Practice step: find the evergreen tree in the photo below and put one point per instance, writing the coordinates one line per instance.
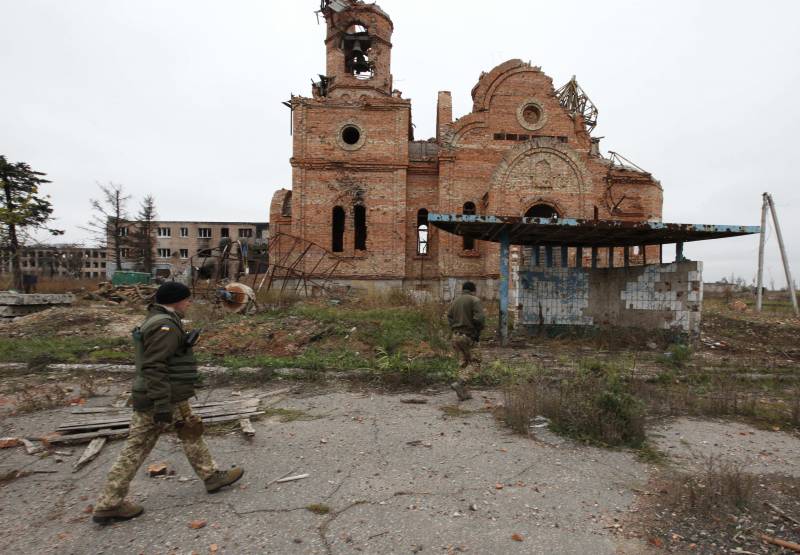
(22, 210)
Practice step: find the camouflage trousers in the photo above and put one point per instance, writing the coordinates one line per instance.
(142, 437)
(467, 350)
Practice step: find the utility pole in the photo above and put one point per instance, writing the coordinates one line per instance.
(762, 238)
(789, 281)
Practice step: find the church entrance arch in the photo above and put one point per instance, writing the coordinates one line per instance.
(542, 210)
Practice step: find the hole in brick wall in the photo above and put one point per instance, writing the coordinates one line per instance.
(351, 135)
(499, 136)
(563, 139)
(523, 137)
(541, 211)
(511, 136)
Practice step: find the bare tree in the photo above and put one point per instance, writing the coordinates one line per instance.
(143, 239)
(109, 223)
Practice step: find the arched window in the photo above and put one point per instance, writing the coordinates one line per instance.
(360, 224)
(337, 229)
(422, 231)
(541, 211)
(469, 210)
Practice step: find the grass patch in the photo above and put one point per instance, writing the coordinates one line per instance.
(454, 411)
(677, 356)
(289, 415)
(596, 404)
(721, 487)
(40, 351)
(318, 508)
(649, 454)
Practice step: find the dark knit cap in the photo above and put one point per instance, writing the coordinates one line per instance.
(468, 286)
(172, 292)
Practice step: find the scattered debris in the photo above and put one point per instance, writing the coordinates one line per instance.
(157, 469)
(782, 543)
(7, 442)
(30, 447)
(516, 537)
(292, 478)
(738, 306)
(247, 427)
(91, 452)
(414, 401)
(197, 524)
(135, 293)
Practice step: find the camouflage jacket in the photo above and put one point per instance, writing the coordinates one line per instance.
(166, 368)
(466, 316)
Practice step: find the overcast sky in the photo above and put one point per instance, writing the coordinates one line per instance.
(182, 98)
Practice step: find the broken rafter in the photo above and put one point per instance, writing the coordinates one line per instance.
(578, 103)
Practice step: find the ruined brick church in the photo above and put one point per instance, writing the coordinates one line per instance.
(362, 187)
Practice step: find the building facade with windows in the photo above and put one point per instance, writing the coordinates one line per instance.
(362, 187)
(176, 243)
(51, 261)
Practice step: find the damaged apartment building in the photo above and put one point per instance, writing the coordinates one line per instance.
(363, 188)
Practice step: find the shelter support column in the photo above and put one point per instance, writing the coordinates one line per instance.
(503, 324)
(679, 252)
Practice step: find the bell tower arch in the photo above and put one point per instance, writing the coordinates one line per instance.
(358, 47)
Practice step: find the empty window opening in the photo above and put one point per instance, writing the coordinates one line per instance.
(469, 210)
(351, 134)
(360, 224)
(511, 136)
(224, 232)
(541, 211)
(499, 136)
(286, 208)
(337, 234)
(422, 231)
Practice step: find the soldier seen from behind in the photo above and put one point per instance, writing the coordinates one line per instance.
(466, 319)
(166, 374)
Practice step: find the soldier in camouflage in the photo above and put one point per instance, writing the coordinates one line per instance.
(466, 319)
(166, 373)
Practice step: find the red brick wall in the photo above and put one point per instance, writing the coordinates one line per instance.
(547, 161)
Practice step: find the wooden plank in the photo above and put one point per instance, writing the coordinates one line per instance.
(94, 410)
(118, 433)
(81, 438)
(112, 421)
(90, 453)
(126, 421)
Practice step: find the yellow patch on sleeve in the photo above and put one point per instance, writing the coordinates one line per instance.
(165, 328)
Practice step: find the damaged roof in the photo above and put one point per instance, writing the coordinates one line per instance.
(581, 233)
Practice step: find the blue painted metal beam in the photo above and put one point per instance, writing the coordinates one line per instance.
(504, 275)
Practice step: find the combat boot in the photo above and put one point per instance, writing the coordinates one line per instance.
(222, 478)
(124, 511)
(461, 390)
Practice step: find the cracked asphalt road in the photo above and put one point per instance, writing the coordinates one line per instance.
(395, 478)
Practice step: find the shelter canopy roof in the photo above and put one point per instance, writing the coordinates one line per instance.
(581, 233)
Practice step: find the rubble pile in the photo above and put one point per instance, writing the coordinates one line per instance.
(135, 293)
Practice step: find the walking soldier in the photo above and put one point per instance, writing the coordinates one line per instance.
(466, 319)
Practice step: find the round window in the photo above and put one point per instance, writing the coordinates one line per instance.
(351, 135)
(531, 115)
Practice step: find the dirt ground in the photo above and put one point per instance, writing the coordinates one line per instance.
(391, 477)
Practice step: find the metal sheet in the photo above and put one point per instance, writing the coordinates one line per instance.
(581, 233)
